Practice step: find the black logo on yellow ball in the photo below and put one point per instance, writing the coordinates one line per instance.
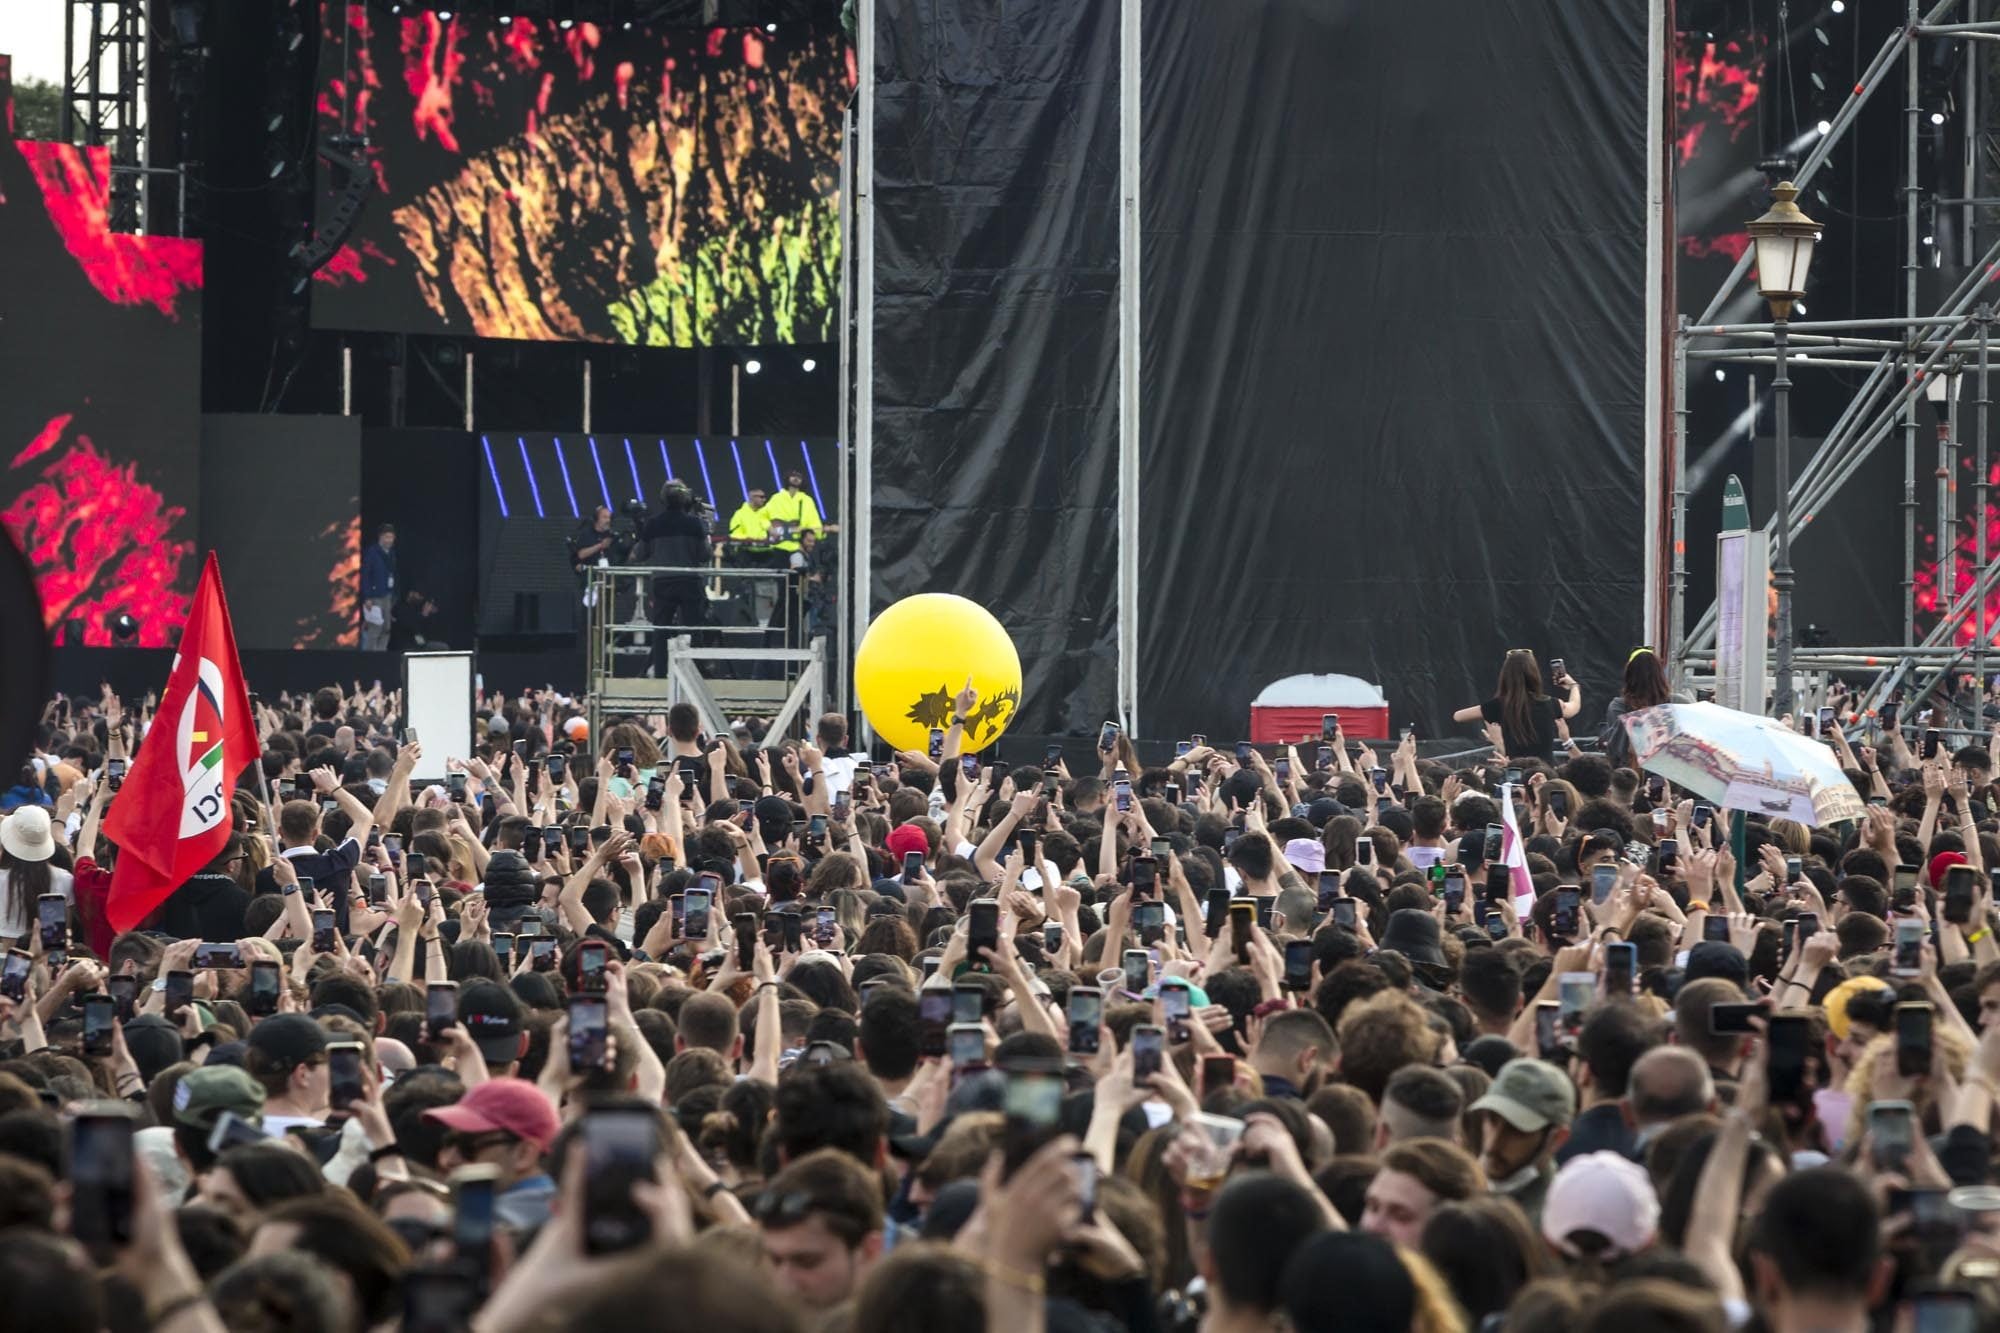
(983, 723)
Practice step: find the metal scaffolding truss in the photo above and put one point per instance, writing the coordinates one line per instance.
(1902, 357)
(104, 95)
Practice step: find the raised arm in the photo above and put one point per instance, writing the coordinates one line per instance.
(360, 818)
(570, 902)
(996, 837)
(86, 835)
(397, 793)
(1933, 799)
(770, 1022)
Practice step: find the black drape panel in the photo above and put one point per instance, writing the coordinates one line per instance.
(996, 194)
(1393, 363)
(428, 483)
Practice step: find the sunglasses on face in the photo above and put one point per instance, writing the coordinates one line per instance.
(782, 1210)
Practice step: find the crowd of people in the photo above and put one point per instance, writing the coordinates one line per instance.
(732, 1032)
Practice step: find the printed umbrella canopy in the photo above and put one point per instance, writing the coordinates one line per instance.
(1743, 762)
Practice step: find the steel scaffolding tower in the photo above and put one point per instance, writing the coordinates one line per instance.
(104, 96)
(1901, 356)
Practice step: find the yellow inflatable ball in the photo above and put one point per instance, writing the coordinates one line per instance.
(917, 656)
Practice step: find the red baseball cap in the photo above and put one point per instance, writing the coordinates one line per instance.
(1942, 862)
(513, 1105)
(907, 838)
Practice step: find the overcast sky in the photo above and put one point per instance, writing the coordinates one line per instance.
(32, 32)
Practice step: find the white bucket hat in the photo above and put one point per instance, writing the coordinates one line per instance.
(26, 834)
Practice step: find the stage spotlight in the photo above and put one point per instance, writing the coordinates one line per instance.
(1937, 117)
(123, 627)
(444, 16)
(1721, 375)
(1839, 6)
(506, 20)
(566, 24)
(808, 365)
(1930, 240)
(1825, 128)
(752, 366)
(770, 27)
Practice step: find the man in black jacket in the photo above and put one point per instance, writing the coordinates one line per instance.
(210, 905)
(675, 537)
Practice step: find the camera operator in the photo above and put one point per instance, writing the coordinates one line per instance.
(598, 542)
(676, 536)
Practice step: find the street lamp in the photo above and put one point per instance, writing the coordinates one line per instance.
(1784, 238)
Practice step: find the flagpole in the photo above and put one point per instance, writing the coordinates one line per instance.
(264, 798)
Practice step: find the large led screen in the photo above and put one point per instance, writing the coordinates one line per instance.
(100, 383)
(656, 186)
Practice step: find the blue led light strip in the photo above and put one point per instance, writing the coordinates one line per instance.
(499, 492)
(602, 485)
(701, 457)
(741, 480)
(534, 487)
(562, 461)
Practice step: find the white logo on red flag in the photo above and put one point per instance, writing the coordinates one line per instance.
(198, 748)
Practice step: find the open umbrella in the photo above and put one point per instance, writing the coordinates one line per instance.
(1743, 761)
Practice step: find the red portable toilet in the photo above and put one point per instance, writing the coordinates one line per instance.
(1290, 709)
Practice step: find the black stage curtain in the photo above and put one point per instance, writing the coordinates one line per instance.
(281, 509)
(428, 483)
(996, 428)
(1393, 362)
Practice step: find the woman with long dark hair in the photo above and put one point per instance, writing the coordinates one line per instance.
(1519, 718)
(27, 846)
(1644, 686)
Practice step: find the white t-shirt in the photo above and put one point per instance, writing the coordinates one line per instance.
(839, 772)
(17, 919)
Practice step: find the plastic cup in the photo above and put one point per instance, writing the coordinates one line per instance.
(1213, 1143)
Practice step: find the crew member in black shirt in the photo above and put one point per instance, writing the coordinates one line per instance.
(676, 537)
(594, 541)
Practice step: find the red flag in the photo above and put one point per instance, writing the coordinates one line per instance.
(171, 817)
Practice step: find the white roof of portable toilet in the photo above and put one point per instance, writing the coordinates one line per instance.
(1330, 691)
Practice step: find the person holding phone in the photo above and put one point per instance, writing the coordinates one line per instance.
(287, 1055)
(508, 1124)
(1519, 719)
(589, 905)
(331, 871)
(1644, 685)
(27, 844)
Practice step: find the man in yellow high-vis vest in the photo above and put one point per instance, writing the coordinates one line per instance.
(794, 508)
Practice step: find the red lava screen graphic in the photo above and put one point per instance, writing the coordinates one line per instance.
(99, 422)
